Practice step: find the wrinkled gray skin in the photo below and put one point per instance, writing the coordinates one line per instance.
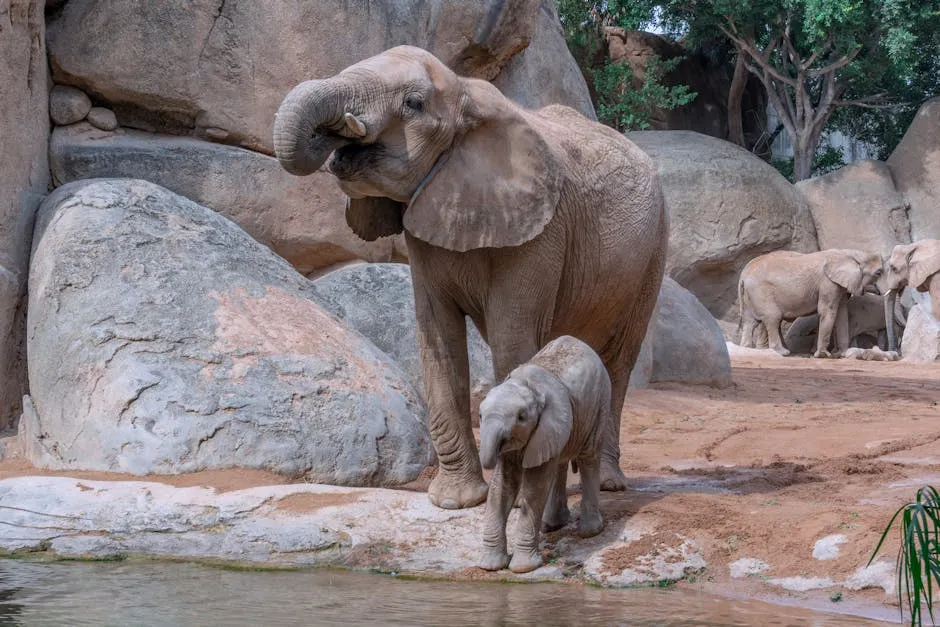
(549, 411)
(916, 265)
(536, 224)
(785, 285)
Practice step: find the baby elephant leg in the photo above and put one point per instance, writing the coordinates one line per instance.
(535, 485)
(556, 513)
(592, 522)
(503, 488)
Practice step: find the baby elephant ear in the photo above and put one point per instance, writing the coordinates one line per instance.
(498, 186)
(555, 421)
(372, 217)
(845, 271)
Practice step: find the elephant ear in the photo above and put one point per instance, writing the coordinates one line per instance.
(845, 271)
(554, 421)
(924, 262)
(497, 186)
(373, 217)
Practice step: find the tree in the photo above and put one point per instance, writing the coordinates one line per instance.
(621, 102)
(815, 56)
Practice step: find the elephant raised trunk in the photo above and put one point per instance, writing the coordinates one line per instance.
(890, 298)
(311, 123)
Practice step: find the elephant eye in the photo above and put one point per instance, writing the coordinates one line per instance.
(414, 102)
(520, 416)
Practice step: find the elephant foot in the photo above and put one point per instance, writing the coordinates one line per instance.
(525, 561)
(590, 525)
(780, 350)
(822, 355)
(612, 478)
(556, 520)
(448, 491)
(493, 559)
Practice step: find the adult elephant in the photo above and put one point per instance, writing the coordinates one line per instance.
(536, 224)
(917, 265)
(785, 285)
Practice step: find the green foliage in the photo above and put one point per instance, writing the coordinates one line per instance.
(827, 160)
(918, 565)
(621, 103)
(624, 107)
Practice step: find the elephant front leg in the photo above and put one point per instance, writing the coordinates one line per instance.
(535, 485)
(499, 502)
(556, 510)
(442, 341)
(592, 522)
(828, 312)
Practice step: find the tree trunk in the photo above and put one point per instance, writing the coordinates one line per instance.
(735, 96)
(802, 161)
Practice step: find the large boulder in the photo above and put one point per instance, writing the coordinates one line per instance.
(858, 207)
(921, 341)
(376, 299)
(726, 207)
(219, 71)
(252, 189)
(163, 339)
(915, 164)
(24, 179)
(688, 345)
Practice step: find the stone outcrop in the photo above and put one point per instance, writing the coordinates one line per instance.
(711, 82)
(858, 207)
(24, 179)
(216, 73)
(376, 299)
(688, 345)
(220, 70)
(163, 339)
(726, 207)
(915, 164)
(921, 341)
(300, 218)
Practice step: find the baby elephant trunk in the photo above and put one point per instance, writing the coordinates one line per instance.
(492, 436)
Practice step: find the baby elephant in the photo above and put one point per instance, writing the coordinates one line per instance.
(551, 410)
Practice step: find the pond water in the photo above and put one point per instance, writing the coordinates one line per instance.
(156, 594)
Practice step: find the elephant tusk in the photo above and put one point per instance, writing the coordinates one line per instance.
(355, 125)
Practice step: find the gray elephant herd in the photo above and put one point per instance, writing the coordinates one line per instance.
(783, 286)
(549, 231)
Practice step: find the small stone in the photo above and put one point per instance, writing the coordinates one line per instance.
(747, 566)
(103, 118)
(216, 134)
(803, 584)
(68, 105)
(827, 548)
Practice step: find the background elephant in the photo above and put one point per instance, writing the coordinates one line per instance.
(866, 325)
(917, 265)
(536, 224)
(785, 285)
(548, 411)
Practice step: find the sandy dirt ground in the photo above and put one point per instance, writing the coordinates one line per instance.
(795, 450)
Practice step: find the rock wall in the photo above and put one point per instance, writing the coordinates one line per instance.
(915, 164)
(216, 73)
(24, 180)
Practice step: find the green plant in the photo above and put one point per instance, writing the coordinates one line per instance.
(625, 106)
(918, 564)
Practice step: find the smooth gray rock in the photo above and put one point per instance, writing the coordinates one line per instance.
(102, 118)
(24, 180)
(163, 339)
(377, 300)
(688, 346)
(921, 341)
(726, 206)
(915, 167)
(68, 105)
(300, 218)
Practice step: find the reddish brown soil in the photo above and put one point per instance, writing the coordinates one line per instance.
(306, 502)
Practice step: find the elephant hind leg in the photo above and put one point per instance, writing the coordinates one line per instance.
(772, 324)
